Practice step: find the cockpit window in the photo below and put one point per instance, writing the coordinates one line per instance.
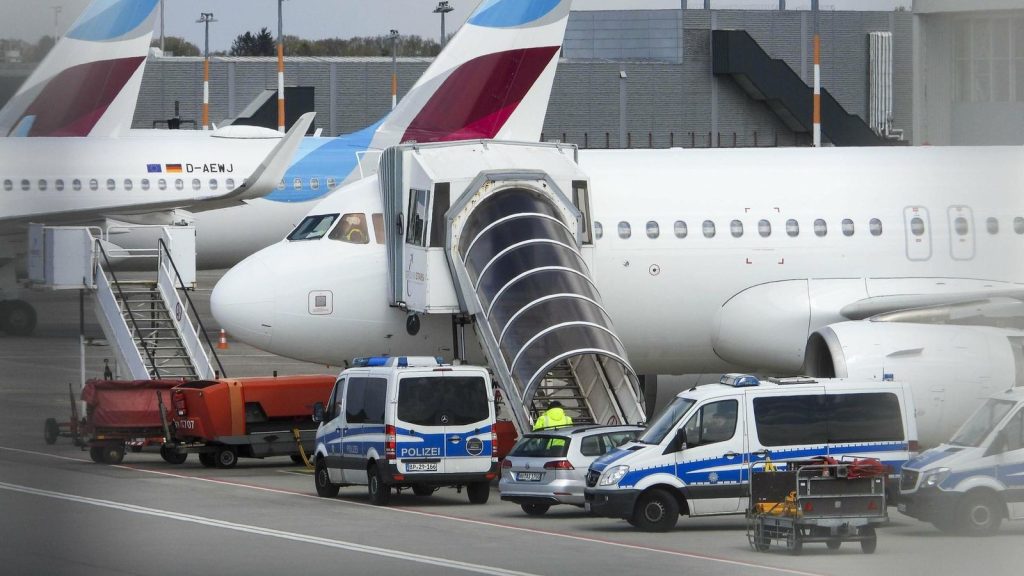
(352, 229)
(313, 227)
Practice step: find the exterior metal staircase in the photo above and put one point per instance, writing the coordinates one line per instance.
(158, 340)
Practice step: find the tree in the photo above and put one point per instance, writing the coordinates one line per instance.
(249, 44)
(41, 49)
(178, 46)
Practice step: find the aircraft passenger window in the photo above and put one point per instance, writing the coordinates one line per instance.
(314, 183)
(736, 229)
(281, 185)
(331, 183)
(680, 229)
(709, 229)
(161, 184)
(653, 230)
(58, 185)
(960, 225)
(992, 224)
(76, 184)
(792, 228)
(42, 185)
(917, 226)
(1018, 225)
(764, 228)
(229, 183)
(875, 226)
(820, 228)
(145, 184)
(127, 184)
(378, 227)
(847, 227)
(8, 185)
(213, 184)
(352, 229)
(25, 185)
(196, 184)
(94, 184)
(598, 230)
(111, 184)
(625, 230)
(313, 227)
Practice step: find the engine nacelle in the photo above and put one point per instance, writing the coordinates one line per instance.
(949, 368)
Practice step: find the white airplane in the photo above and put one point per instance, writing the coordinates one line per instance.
(492, 80)
(864, 263)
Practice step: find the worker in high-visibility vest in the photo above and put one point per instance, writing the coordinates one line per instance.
(553, 417)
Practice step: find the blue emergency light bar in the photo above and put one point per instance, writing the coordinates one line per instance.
(739, 380)
(396, 361)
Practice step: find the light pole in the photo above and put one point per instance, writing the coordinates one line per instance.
(280, 66)
(393, 36)
(56, 22)
(205, 18)
(442, 9)
(161, 27)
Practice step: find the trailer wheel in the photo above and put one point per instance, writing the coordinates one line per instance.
(870, 541)
(96, 454)
(324, 487)
(113, 454)
(380, 493)
(656, 511)
(226, 457)
(207, 459)
(51, 431)
(172, 456)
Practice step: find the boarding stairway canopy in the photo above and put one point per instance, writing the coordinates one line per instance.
(498, 232)
(149, 323)
(737, 54)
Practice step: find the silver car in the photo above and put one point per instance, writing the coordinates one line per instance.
(549, 467)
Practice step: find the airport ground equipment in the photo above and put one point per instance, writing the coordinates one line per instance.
(54, 429)
(121, 415)
(223, 420)
(822, 501)
(497, 235)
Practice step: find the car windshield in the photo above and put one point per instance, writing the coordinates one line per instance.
(667, 420)
(541, 446)
(981, 423)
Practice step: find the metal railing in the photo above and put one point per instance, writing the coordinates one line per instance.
(131, 314)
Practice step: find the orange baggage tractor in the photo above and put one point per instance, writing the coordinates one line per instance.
(223, 420)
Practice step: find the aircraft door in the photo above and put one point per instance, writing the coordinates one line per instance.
(918, 231)
(961, 232)
(416, 264)
(713, 464)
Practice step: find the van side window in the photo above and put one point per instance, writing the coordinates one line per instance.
(873, 417)
(334, 405)
(355, 401)
(374, 398)
(789, 420)
(1014, 432)
(715, 422)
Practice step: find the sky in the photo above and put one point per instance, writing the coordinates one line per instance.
(31, 19)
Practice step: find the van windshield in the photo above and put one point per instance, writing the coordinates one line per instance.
(442, 401)
(667, 420)
(981, 423)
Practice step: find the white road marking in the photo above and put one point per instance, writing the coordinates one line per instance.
(248, 529)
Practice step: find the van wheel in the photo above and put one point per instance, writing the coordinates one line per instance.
(422, 490)
(535, 509)
(225, 457)
(172, 456)
(380, 493)
(207, 459)
(980, 514)
(479, 492)
(656, 511)
(324, 487)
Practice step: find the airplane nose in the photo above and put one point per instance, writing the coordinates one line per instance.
(243, 302)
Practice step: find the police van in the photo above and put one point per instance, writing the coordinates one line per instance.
(695, 457)
(407, 422)
(974, 481)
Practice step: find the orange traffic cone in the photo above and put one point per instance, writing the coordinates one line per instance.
(223, 343)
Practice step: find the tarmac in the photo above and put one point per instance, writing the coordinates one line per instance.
(60, 513)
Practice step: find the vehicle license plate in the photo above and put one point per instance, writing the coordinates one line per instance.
(902, 507)
(528, 477)
(421, 467)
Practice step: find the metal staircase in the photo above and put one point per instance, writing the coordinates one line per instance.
(157, 338)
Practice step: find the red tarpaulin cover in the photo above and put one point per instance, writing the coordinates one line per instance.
(125, 404)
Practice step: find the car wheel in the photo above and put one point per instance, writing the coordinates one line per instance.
(380, 493)
(324, 487)
(534, 509)
(870, 541)
(225, 457)
(656, 511)
(51, 431)
(422, 490)
(478, 492)
(172, 456)
(979, 514)
(207, 459)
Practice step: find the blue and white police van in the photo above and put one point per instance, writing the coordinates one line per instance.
(696, 455)
(407, 422)
(974, 481)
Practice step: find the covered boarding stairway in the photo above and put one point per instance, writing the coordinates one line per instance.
(491, 236)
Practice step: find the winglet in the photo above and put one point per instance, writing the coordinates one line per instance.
(269, 173)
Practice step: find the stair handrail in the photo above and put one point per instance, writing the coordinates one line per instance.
(131, 313)
(165, 251)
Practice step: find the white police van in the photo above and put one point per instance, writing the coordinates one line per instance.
(974, 481)
(397, 422)
(696, 455)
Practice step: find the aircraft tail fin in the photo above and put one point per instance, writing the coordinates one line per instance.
(492, 80)
(89, 82)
